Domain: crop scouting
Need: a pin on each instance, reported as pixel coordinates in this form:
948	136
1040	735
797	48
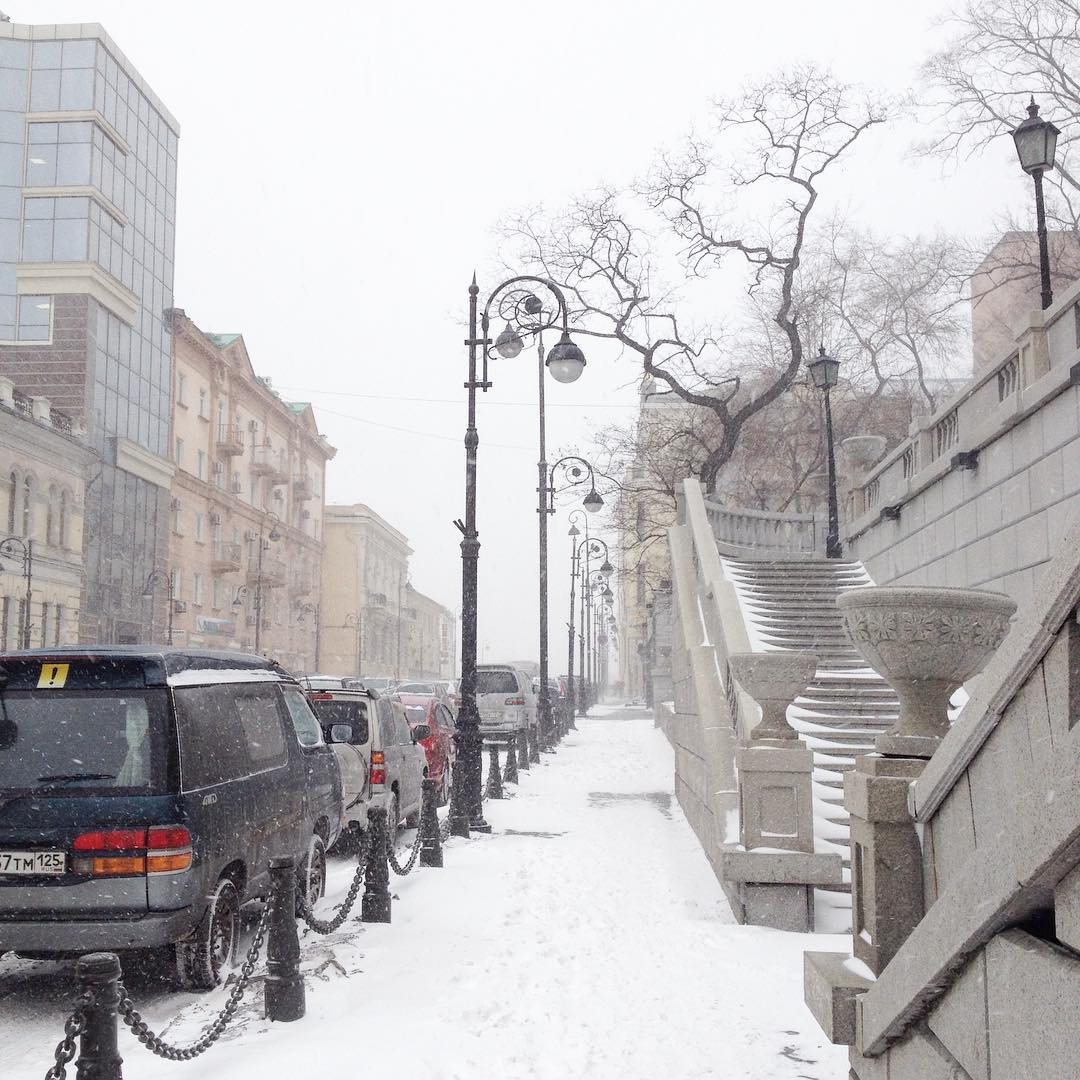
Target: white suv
505	700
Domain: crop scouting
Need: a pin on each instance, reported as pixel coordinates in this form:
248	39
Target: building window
27	508
181	389
179	458
62	536
58	155
50	515
13	501
177	583
35	319
59	622
5	616
56	230
217	589
204	404
200	527
44	622
177	520
197	589
200	464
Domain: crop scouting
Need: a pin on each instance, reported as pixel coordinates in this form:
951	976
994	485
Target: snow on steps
791	604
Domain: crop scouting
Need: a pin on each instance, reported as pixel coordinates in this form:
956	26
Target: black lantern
824	370
1036	142
592	502
566	362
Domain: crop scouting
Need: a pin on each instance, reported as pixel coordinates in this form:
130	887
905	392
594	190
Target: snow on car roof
209	676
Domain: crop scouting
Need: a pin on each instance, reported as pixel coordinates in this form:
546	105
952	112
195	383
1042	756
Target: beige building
246	506
372	621
43	459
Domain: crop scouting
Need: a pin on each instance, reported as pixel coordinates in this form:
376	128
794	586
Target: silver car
505	700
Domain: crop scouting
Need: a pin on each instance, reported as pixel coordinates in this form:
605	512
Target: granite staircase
791	604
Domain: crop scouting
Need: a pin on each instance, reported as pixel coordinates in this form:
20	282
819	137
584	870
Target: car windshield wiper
70	778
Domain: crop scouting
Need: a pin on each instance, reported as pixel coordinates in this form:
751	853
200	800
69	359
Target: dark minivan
143	792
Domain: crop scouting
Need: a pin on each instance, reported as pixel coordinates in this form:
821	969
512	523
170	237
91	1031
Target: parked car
438	744
376	682
143	793
380	763
425	688
505	700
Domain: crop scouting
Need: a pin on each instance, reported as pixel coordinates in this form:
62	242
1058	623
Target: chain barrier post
283	991
375	907
523	751
534	746
98	976
510	772
430	843
494	789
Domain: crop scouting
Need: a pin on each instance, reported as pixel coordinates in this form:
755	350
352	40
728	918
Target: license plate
32	862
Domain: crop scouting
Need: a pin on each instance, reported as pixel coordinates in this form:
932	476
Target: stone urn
925	643
774	680
863	451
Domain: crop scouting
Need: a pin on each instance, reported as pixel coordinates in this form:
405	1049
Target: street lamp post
25	548
273	534
524	313
824	371
1036	146
153	579
579	554
571	467
305	607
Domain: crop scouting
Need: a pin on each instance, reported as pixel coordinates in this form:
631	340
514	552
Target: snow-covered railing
765	530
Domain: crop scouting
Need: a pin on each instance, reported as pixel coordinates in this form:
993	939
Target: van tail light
378	767
514	701
161	849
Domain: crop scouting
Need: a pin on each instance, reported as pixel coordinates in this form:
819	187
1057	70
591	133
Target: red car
439	745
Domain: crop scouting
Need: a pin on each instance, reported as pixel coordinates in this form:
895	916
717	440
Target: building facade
372	620
245	511
87	221
43	458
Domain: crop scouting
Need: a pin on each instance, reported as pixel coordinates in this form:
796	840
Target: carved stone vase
774	680
924	642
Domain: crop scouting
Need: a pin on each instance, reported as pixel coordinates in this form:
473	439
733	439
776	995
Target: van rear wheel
204	958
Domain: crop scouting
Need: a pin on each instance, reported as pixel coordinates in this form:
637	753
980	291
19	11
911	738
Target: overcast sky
342	166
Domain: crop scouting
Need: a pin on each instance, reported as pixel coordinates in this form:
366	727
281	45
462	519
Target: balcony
265	461
273	570
226	557
230	439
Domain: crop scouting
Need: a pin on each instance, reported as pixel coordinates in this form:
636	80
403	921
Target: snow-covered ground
586	938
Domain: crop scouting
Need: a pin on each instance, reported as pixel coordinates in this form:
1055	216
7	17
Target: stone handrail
1045	362
766	530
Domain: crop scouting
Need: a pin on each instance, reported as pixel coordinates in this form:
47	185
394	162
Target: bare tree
1002	52
635	268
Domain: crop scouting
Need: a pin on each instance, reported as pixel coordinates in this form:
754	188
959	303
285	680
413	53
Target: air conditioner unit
179	607
250	535
279	494
305	514
174	504
215	518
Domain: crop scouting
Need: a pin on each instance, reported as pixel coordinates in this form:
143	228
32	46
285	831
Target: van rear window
496	682
83	741
343	712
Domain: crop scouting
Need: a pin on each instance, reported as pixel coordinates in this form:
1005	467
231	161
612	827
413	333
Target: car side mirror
421	732
341	733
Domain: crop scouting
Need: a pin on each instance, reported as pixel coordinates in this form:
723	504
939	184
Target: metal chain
413	856
73	1028
157	1045
328	926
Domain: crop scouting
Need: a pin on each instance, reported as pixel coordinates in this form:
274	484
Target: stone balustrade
765	530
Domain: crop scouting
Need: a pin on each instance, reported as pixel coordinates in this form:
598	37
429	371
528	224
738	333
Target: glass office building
87	224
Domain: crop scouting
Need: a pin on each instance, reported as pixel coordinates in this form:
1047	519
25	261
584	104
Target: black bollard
430	842
523	751
510	772
534	746
375	906
494	789
99	975
283	991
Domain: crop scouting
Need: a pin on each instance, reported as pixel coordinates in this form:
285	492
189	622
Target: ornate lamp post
273	534
307	607
580	554
1036	145
12	547
153	579
524	314
824	371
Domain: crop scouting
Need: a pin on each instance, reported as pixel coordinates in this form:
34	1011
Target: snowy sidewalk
586	938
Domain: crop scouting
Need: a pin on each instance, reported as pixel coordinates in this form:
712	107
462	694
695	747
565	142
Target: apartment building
246	505
87	222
